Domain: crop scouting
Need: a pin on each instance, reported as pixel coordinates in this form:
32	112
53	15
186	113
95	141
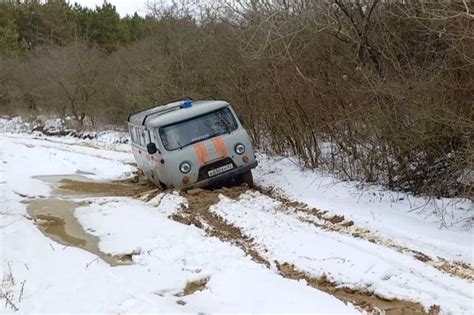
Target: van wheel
162	185
247	178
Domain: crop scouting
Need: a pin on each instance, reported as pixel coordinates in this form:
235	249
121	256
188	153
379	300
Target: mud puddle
76	184
55	218
66	229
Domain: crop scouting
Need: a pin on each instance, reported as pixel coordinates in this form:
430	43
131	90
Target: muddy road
55	218
199	250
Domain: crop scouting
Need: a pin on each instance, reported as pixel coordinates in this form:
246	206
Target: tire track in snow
338	223
59	146
290	241
314	216
320	218
197	212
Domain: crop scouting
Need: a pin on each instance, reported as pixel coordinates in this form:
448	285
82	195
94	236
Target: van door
155	159
136	147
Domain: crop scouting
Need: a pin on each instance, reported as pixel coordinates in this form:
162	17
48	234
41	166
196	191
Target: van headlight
185	167
239	148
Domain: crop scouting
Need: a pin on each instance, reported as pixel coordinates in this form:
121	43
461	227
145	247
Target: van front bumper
222	177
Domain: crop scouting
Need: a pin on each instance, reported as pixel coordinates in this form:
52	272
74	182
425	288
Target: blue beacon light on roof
187	104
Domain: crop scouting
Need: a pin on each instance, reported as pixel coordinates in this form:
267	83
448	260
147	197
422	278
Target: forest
375	91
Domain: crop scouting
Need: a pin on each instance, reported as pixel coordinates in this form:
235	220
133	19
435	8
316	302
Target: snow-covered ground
343	259
412	221
43	276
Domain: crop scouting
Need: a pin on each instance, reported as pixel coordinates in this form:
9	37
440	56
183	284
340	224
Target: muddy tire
247	178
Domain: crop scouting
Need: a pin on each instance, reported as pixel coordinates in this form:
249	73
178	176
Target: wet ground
55	218
79	185
197	213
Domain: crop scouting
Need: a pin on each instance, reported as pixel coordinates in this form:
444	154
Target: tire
247	178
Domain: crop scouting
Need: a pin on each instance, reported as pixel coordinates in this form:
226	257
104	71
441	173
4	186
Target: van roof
174	112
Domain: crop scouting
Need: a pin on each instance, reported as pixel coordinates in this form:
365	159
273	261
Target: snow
412	221
168	254
26	158
56	278
175	253
343	259
14	125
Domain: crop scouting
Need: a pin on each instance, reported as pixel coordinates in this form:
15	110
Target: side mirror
151	148
242	120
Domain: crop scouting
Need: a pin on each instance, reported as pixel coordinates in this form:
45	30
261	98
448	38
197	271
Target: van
190	144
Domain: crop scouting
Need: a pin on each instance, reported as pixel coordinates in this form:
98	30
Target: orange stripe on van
220	147
201	152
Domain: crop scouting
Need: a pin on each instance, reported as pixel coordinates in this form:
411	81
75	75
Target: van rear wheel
247	178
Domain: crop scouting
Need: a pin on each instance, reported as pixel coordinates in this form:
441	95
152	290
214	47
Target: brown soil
119	188
197	213
458	268
71	185
55	218
193	287
361	298
338	223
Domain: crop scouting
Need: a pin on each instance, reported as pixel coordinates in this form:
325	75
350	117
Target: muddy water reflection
55	218
73	185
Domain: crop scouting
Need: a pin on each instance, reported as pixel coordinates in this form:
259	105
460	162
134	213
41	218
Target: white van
189	144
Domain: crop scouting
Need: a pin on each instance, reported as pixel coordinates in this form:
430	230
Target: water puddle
55	218
74	185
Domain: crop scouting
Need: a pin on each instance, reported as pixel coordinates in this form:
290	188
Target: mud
76	185
197	213
459	268
338	223
193	287
101	188
55	218
361	298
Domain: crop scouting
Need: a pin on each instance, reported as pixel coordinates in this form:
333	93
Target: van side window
132	134
137	135
156	135
142	137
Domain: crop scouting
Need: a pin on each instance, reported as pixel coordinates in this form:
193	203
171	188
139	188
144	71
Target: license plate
220	170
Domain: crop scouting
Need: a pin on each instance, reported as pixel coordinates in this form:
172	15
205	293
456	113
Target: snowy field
388	245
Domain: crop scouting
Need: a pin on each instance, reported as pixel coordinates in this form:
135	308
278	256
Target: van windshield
197	129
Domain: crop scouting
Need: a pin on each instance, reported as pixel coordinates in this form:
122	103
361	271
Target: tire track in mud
338	223
197	212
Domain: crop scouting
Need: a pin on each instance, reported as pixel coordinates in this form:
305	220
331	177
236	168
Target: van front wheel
247	178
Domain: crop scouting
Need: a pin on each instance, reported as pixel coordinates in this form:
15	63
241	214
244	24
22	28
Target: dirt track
197	213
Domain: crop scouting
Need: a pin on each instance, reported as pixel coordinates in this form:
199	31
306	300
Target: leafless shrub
378	91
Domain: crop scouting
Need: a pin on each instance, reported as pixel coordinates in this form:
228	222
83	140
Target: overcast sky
124	7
